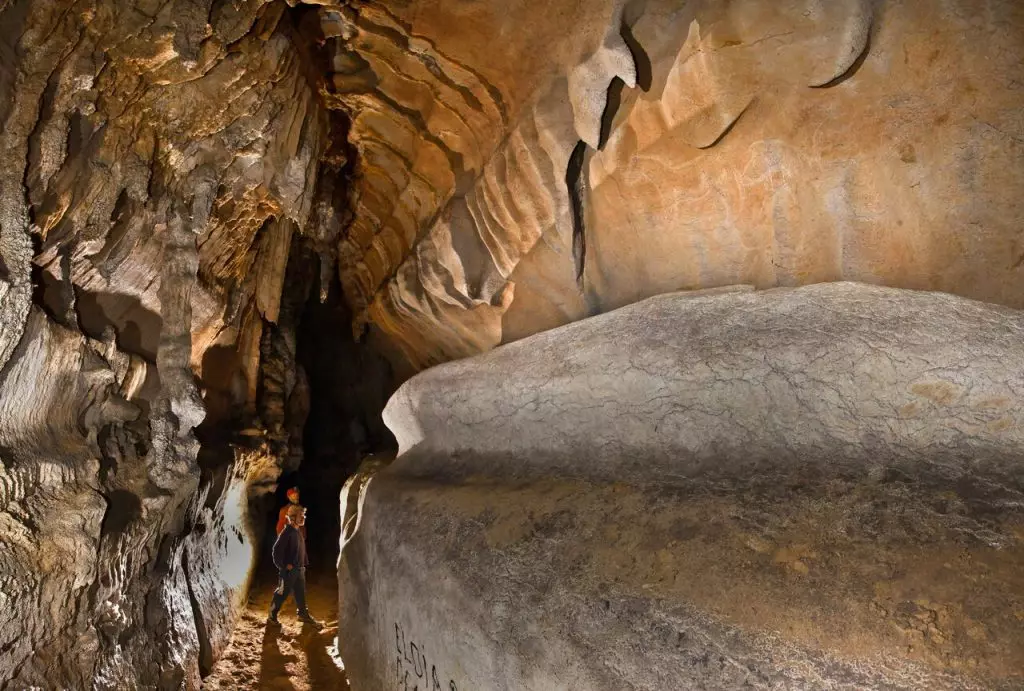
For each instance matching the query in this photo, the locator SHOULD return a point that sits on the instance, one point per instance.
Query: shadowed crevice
(575, 183)
(205, 647)
(852, 69)
(123, 508)
(644, 79)
(611, 108)
(641, 60)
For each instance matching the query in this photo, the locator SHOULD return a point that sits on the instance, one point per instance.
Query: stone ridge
(699, 382)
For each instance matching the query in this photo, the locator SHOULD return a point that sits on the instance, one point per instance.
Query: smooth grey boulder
(797, 488)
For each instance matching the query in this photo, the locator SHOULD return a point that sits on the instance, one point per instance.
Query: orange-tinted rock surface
(768, 143)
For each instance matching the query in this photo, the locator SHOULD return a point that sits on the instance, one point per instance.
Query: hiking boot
(306, 618)
(272, 620)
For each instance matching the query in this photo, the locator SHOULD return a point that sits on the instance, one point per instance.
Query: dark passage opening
(349, 384)
(318, 410)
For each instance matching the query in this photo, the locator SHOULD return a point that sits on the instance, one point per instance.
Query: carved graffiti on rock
(413, 668)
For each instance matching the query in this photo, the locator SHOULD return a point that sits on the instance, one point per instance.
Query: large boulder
(796, 488)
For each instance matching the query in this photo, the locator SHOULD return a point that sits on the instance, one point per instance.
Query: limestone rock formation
(797, 488)
(651, 145)
(156, 159)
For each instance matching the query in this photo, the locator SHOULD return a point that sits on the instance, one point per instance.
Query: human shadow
(274, 663)
(324, 671)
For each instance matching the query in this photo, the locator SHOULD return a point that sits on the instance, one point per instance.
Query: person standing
(290, 559)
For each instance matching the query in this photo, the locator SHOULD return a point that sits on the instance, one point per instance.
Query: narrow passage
(291, 657)
(348, 385)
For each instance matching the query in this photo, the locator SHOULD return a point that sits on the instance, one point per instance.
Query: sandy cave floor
(291, 657)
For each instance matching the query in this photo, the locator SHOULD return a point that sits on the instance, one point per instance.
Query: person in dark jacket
(291, 561)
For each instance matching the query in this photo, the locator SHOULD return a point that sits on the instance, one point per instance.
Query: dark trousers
(292, 583)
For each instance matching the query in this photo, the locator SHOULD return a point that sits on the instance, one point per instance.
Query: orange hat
(294, 491)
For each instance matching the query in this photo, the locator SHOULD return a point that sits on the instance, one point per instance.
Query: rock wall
(518, 172)
(795, 488)
(158, 164)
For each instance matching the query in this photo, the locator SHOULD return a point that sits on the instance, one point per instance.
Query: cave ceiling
(475, 172)
(517, 170)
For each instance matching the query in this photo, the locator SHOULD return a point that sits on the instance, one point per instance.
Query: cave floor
(286, 658)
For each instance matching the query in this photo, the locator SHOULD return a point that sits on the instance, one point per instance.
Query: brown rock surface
(798, 488)
(769, 143)
(155, 159)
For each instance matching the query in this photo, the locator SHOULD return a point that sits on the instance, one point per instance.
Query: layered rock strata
(158, 166)
(795, 488)
(513, 180)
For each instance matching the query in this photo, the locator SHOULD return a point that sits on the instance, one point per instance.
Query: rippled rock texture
(157, 161)
(796, 488)
(518, 172)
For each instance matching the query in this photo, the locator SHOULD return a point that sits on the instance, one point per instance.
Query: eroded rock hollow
(228, 228)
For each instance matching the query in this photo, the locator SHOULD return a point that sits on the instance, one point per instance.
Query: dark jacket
(290, 548)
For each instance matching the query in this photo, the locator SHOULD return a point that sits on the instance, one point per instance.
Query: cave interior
(611, 344)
